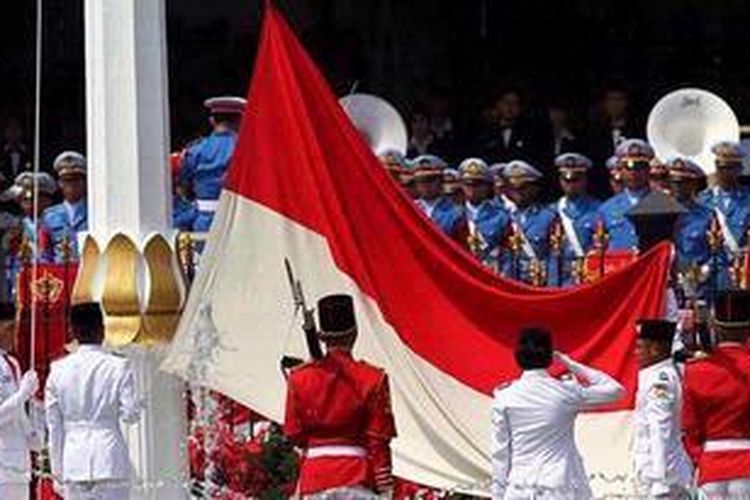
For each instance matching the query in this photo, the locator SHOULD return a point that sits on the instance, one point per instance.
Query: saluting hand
(29, 385)
(563, 358)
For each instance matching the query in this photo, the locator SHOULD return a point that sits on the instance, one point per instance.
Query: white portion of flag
(443, 425)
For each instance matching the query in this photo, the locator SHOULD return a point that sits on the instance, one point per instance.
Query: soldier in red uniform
(716, 408)
(338, 411)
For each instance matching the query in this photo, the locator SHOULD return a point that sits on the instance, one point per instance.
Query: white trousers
(737, 489)
(356, 493)
(14, 491)
(97, 490)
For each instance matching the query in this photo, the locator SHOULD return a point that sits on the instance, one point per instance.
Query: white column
(130, 193)
(127, 117)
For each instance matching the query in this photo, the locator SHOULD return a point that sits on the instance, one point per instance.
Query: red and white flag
(304, 185)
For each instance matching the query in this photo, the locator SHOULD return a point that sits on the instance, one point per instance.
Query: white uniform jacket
(87, 393)
(660, 459)
(15, 428)
(534, 454)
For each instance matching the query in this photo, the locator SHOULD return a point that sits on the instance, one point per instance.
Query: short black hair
(87, 322)
(534, 348)
(230, 118)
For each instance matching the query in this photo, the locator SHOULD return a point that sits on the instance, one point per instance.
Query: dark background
(564, 51)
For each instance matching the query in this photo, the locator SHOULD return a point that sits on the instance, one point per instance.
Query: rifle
(308, 324)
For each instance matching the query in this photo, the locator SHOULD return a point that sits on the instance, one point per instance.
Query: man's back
(87, 394)
(338, 409)
(540, 413)
(534, 452)
(716, 413)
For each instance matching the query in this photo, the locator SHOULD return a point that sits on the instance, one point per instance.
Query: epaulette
(504, 385)
(58, 356)
(301, 366)
(660, 390)
(371, 366)
(699, 356)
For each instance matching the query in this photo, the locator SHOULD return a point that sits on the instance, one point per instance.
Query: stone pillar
(128, 260)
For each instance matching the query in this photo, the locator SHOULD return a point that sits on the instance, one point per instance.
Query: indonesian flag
(304, 185)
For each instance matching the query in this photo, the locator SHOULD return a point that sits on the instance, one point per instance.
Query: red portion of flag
(299, 156)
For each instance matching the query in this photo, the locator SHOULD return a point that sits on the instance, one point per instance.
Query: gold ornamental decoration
(47, 288)
(120, 298)
(140, 291)
(83, 289)
(164, 301)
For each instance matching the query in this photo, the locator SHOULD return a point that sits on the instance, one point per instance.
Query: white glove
(660, 490)
(563, 358)
(29, 385)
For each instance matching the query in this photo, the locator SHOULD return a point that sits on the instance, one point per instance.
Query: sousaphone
(377, 121)
(688, 122)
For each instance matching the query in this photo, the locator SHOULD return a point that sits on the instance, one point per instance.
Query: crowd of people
(498, 212)
(503, 214)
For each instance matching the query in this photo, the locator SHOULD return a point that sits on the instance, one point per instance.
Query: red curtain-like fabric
(299, 155)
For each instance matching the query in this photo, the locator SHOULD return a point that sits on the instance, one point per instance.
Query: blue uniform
(183, 213)
(583, 214)
(735, 206)
(203, 169)
(622, 235)
(490, 222)
(445, 214)
(65, 220)
(692, 237)
(535, 222)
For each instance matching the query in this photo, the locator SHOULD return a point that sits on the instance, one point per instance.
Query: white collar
(89, 347)
(664, 363)
(535, 373)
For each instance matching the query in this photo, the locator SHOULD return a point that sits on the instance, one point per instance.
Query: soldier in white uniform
(662, 466)
(534, 454)
(16, 434)
(88, 393)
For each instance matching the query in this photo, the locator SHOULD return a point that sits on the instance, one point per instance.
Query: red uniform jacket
(340, 401)
(716, 406)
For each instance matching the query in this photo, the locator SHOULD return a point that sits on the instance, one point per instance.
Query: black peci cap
(86, 314)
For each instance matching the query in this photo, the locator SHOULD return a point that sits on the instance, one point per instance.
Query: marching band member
(88, 393)
(183, 208)
(338, 410)
(691, 243)
(452, 187)
(531, 220)
(658, 175)
(634, 156)
(487, 221)
(661, 465)
(65, 220)
(716, 408)
(206, 161)
(615, 174)
(393, 162)
(502, 188)
(17, 437)
(576, 210)
(428, 176)
(730, 204)
(34, 233)
(534, 454)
